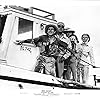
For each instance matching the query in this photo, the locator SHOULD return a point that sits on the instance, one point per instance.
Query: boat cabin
(17, 24)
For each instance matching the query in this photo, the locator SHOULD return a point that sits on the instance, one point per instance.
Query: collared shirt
(65, 39)
(86, 51)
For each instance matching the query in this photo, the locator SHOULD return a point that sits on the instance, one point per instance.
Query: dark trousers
(59, 67)
(71, 68)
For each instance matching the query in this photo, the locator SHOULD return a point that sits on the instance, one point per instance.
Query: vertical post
(30, 10)
(94, 79)
(53, 17)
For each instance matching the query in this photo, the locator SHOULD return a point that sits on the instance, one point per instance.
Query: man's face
(85, 38)
(51, 31)
(60, 28)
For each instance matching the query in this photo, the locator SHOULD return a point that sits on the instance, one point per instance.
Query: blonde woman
(85, 51)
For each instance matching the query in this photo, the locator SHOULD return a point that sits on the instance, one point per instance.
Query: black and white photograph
(49, 49)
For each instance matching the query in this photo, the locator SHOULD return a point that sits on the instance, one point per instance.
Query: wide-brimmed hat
(87, 35)
(68, 30)
(51, 25)
(60, 24)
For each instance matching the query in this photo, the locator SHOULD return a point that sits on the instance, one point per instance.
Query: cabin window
(2, 23)
(25, 29)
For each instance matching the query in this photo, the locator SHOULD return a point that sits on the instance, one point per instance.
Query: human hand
(61, 59)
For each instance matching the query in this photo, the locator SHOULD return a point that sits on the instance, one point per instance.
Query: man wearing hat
(60, 26)
(64, 53)
(48, 49)
(46, 58)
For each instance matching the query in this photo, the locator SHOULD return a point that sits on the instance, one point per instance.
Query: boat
(17, 62)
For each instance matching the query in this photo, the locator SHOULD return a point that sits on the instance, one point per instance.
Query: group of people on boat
(61, 54)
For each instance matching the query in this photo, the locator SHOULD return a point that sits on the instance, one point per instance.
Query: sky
(80, 15)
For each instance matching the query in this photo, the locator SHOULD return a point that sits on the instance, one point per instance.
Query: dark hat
(87, 35)
(68, 30)
(71, 31)
(60, 24)
(51, 25)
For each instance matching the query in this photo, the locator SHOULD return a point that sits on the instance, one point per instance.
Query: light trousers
(83, 72)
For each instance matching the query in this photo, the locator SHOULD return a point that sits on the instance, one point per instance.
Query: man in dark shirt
(46, 58)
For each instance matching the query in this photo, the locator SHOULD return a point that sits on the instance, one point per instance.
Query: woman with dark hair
(72, 61)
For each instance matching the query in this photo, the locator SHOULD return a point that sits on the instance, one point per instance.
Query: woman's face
(72, 38)
(50, 31)
(85, 38)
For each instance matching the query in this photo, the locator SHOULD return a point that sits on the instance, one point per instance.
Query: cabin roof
(30, 11)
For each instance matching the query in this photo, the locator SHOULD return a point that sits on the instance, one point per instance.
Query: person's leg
(50, 70)
(47, 69)
(85, 75)
(67, 73)
(39, 67)
(40, 64)
(50, 66)
(74, 70)
(60, 67)
(78, 72)
(53, 68)
(53, 73)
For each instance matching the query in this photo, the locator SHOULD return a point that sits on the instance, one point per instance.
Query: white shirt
(87, 51)
(65, 39)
